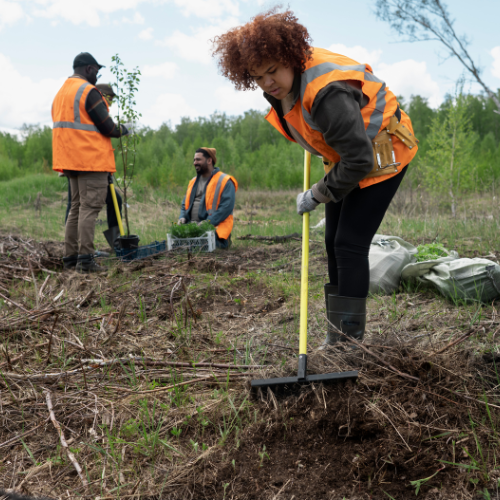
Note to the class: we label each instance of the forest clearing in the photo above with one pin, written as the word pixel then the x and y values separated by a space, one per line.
pixel 146 370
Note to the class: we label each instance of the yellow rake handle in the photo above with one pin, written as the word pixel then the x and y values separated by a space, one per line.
pixel 304 276
pixel 117 209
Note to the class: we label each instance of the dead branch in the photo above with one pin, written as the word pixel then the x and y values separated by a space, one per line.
pixel 64 444
pixel 153 362
pixel 457 341
pixel 14 303
pixel 23 434
pixel 188 382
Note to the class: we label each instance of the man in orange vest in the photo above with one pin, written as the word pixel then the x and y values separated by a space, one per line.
pixel 81 145
pixel 210 196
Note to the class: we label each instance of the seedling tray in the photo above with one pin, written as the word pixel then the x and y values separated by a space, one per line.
pixel 205 243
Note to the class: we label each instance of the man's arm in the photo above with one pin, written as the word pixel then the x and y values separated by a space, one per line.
pixel 98 112
pixel 226 205
pixel 183 214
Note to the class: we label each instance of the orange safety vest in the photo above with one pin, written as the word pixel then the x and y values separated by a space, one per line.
pixel 77 143
pixel 214 190
pixel 324 68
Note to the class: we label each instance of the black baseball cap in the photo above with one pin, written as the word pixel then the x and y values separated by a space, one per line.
pixel 85 59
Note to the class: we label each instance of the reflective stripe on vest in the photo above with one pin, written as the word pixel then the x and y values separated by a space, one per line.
pixel 77 124
pixel 216 195
pixel 327 67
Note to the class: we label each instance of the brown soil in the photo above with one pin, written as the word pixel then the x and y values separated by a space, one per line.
pixel 358 441
pixel 363 440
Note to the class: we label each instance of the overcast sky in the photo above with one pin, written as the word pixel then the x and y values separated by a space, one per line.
pixel 168 40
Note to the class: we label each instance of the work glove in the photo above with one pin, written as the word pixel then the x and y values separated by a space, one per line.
pixel 306 202
pixel 130 127
pixel 181 221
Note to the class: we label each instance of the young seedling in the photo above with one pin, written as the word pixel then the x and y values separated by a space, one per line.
pixel 126 88
pixel 419 482
pixel 263 455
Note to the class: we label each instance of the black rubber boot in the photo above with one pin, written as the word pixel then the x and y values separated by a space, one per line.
pixel 70 262
pixel 348 314
pixel 330 334
pixel 112 234
pixel 87 264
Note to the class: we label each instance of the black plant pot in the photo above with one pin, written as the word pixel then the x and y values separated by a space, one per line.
pixel 130 242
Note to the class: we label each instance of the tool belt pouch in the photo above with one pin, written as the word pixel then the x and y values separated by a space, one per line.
pixel 327 164
pixel 384 159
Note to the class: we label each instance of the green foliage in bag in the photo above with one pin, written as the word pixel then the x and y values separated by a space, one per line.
pixel 431 251
pixel 190 230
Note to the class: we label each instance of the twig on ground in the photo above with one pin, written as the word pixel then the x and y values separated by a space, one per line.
pixel 188 382
pixel 14 303
pixel 189 302
pixel 37 299
pixel 457 341
pixel 42 288
pixel 23 434
pixel 64 444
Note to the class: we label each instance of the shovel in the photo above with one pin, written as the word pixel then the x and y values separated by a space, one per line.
pixel 291 384
pixel 110 234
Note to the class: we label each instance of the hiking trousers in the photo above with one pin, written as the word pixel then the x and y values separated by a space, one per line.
pixel 88 196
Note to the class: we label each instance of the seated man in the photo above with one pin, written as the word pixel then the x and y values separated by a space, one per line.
pixel 210 196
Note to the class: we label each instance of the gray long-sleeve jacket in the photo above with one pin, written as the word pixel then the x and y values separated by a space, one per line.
pixel 337 113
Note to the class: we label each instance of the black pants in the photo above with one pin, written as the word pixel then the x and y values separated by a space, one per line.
pixel 110 208
pixel 350 227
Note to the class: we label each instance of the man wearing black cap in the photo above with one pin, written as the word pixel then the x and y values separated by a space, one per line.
pixel 82 150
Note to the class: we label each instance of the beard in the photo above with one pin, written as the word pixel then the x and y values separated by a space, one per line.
pixel 202 168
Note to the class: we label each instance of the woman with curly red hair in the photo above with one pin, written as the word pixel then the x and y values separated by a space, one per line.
pixel 335 108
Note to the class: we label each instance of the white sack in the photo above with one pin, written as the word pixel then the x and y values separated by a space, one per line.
pixel 460 279
pixel 388 256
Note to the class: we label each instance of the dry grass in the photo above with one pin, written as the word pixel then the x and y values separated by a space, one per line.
pixel 148 368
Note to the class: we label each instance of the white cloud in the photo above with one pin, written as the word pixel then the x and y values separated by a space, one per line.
pixel 79 11
pixel 208 9
pixel 410 77
pixel 146 34
pixel 91 11
pixel 358 53
pixel 37 96
pixel 495 53
pixel 137 19
pixel 168 108
pixel 166 70
pixel 10 13
pixel 18 134
pixel 236 102
pixel 197 47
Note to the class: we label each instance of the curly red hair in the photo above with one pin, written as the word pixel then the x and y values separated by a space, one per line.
pixel 270 35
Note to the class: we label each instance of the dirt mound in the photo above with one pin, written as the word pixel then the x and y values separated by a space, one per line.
pixel 368 439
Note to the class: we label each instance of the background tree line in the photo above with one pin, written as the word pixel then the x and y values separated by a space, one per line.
pixel 459 149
